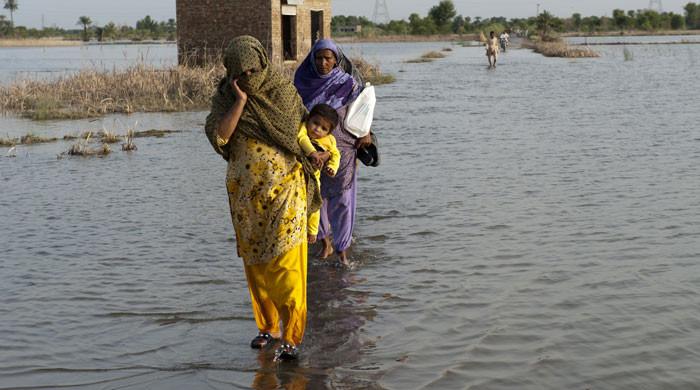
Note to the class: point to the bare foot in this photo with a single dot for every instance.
(311, 238)
(343, 259)
(327, 250)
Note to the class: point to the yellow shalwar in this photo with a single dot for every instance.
(329, 145)
(267, 197)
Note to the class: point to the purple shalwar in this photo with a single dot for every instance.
(340, 192)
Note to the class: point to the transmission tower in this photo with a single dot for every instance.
(381, 12)
(655, 5)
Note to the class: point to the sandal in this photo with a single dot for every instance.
(286, 353)
(261, 340)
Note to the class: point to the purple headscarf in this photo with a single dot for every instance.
(336, 88)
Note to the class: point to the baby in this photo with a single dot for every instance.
(315, 139)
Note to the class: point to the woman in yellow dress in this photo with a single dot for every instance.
(253, 125)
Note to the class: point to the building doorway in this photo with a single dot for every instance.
(289, 37)
(316, 26)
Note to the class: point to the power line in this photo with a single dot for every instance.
(381, 12)
(655, 5)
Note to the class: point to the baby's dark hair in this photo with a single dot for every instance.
(326, 112)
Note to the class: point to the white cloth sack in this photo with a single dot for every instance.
(358, 119)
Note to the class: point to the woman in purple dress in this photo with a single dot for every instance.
(327, 76)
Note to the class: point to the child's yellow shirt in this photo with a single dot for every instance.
(327, 143)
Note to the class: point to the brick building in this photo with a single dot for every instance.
(287, 28)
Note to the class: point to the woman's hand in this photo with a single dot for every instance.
(230, 120)
(319, 159)
(325, 156)
(238, 92)
(316, 159)
(364, 141)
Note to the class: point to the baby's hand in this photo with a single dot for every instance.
(328, 171)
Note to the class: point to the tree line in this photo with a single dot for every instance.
(443, 19)
(144, 29)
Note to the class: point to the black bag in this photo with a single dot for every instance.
(369, 155)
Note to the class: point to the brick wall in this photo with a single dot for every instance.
(206, 26)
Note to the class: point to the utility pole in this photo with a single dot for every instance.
(655, 5)
(538, 9)
(381, 12)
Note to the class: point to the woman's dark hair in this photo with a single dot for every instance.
(326, 112)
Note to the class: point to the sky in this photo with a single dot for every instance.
(65, 13)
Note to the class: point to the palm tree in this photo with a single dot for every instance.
(85, 21)
(544, 22)
(12, 6)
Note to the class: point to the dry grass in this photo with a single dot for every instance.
(37, 42)
(8, 141)
(418, 60)
(109, 137)
(372, 73)
(426, 57)
(82, 148)
(70, 137)
(129, 145)
(93, 93)
(561, 49)
(30, 139)
(433, 55)
(154, 133)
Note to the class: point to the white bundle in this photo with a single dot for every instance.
(358, 120)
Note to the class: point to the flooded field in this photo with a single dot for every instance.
(536, 226)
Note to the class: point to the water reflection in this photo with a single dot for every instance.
(273, 375)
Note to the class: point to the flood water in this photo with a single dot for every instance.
(536, 226)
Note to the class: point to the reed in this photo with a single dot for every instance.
(560, 48)
(93, 93)
(433, 55)
(372, 73)
(38, 42)
(418, 60)
(128, 144)
(426, 57)
(154, 133)
(109, 137)
(8, 141)
(30, 139)
(82, 148)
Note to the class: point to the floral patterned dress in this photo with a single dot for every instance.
(267, 198)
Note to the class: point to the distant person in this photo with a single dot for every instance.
(315, 139)
(492, 49)
(505, 40)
